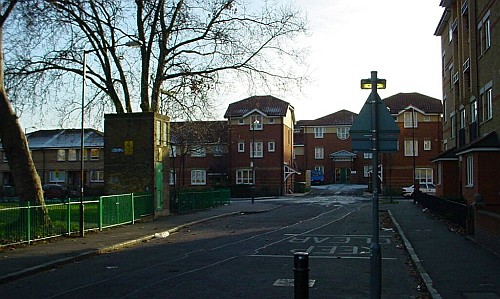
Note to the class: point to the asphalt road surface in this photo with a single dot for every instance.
(244, 256)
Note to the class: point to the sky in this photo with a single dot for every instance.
(350, 38)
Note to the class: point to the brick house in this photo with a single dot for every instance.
(468, 166)
(56, 154)
(419, 120)
(199, 156)
(261, 146)
(324, 146)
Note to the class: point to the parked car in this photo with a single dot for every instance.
(51, 191)
(428, 188)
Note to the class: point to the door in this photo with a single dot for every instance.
(159, 186)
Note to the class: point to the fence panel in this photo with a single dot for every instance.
(453, 211)
(200, 200)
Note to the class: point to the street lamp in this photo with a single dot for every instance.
(132, 44)
(254, 124)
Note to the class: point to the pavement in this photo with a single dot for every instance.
(450, 264)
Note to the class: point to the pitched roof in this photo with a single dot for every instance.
(487, 142)
(401, 101)
(268, 105)
(64, 138)
(342, 117)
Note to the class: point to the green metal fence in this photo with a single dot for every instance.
(200, 200)
(27, 223)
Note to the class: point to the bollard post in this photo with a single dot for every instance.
(301, 275)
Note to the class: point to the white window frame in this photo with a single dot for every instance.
(241, 147)
(319, 153)
(171, 177)
(470, 171)
(241, 121)
(343, 132)
(409, 121)
(259, 149)
(424, 175)
(218, 150)
(57, 176)
(198, 177)
(259, 126)
(473, 111)
(271, 146)
(172, 153)
(320, 168)
(198, 151)
(97, 176)
(368, 155)
(409, 147)
(94, 154)
(453, 126)
(318, 132)
(61, 155)
(244, 177)
(367, 169)
(427, 144)
(72, 156)
(462, 118)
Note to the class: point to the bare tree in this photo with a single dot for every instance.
(15, 146)
(189, 48)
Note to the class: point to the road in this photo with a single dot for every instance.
(244, 256)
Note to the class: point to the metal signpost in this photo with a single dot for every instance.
(374, 130)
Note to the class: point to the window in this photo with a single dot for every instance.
(318, 132)
(241, 147)
(198, 151)
(61, 155)
(367, 169)
(424, 175)
(244, 176)
(97, 176)
(368, 155)
(258, 152)
(94, 154)
(165, 133)
(439, 173)
(241, 121)
(171, 177)
(487, 102)
(271, 146)
(470, 171)
(427, 144)
(462, 118)
(256, 123)
(319, 168)
(409, 121)
(172, 153)
(473, 111)
(445, 113)
(484, 31)
(343, 133)
(218, 150)
(318, 153)
(453, 125)
(72, 155)
(158, 132)
(271, 120)
(410, 146)
(198, 177)
(57, 176)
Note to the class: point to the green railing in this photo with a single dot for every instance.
(200, 200)
(24, 224)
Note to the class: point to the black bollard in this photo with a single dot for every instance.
(301, 275)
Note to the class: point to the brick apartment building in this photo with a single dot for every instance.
(56, 154)
(261, 145)
(468, 166)
(420, 133)
(325, 145)
(199, 155)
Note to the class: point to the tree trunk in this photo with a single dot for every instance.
(26, 179)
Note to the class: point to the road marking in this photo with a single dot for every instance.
(286, 282)
(321, 257)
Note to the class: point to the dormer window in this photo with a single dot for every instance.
(256, 123)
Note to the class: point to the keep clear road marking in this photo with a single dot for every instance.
(332, 246)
